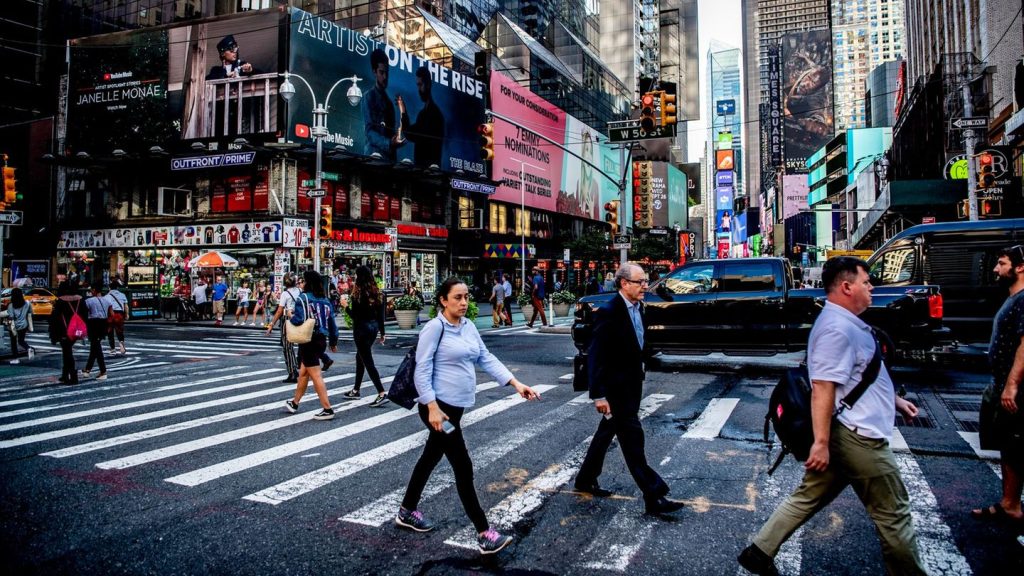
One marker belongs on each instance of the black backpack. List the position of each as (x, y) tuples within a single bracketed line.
[(789, 408), (403, 387)]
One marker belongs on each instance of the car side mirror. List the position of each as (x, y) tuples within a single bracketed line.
[(662, 291)]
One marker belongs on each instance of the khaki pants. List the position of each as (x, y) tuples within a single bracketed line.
[(869, 466), (496, 313)]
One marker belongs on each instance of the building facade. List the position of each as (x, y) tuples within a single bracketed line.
[(865, 34)]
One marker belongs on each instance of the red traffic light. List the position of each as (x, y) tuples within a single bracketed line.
[(985, 159), (647, 100)]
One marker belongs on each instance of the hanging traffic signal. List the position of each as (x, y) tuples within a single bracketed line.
[(986, 171), (486, 131), (611, 215), (668, 109), (326, 230), (10, 186), (647, 122)]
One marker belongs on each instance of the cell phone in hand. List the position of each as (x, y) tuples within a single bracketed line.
[(447, 427)]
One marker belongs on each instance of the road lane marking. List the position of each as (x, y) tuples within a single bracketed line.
[(319, 478), (935, 542), (219, 470), (139, 403), (219, 402), (990, 457), (514, 508), (382, 510), (225, 437), (712, 419)]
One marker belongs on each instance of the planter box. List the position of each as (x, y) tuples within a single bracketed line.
[(527, 312), (562, 309), (406, 318)]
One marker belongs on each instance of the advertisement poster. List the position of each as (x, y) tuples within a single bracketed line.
[(297, 233), (693, 184), (678, 213), (723, 198), (141, 275), (226, 234), (659, 195), (139, 88), (806, 95), (773, 109), (35, 273), (584, 190), (524, 162), (723, 221), (794, 194), (724, 160), (389, 104)]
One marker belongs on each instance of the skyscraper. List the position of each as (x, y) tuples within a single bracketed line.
[(724, 85), (865, 33)]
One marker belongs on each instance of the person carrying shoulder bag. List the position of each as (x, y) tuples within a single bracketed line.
[(20, 315)]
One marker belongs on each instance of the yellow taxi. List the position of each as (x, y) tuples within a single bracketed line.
[(41, 299)]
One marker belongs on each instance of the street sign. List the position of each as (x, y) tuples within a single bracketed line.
[(621, 241), (308, 183), (968, 123), (630, 131), (332, 176), (725, 107), (316, 193), (12, 217)]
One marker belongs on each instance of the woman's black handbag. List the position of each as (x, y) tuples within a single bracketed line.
[(403, 386)]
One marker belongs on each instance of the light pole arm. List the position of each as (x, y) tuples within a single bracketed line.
[(289, 75)]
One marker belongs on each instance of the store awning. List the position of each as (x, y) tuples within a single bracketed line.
[(906, 199)]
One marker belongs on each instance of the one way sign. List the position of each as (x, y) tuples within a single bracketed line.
[(11, 217), (968, 123)]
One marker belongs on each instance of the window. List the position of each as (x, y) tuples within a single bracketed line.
[(895, 266), (747, 277), (690, 280), (497, 223)]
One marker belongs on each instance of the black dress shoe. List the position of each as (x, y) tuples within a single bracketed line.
[(755, 561), (327, 363), (593, 489), (291, 380), (663, 506)]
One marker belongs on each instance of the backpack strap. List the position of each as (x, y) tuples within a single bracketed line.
[(871, 372)]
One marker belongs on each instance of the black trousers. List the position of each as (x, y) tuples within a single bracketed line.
[(68, 372), (97, 330), (453, 447), (364, 338), (627, 428)]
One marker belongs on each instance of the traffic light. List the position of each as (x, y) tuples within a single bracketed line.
[(989, 208), (326, 231), (668, 109), (796, 248), (486, 131), (986, 171), (642, 216), (10, 186), (647, 122), (611, 214)]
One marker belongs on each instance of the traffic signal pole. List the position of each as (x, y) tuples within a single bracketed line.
[(970, 141)]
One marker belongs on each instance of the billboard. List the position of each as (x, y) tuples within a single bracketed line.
[(136, 89), (386, 103), (723, 198), (678, 212), (806, 95), (725, 178), (794, 194), (773, 108), (584, 191), (693, 184), (724, 160), (524, 163)]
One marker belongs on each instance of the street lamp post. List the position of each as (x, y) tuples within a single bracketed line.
[(319, 131), (522, 215)]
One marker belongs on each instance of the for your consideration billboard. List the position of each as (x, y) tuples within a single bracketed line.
[(389, 104)]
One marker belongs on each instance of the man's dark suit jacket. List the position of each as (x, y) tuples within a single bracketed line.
[(614, 360)]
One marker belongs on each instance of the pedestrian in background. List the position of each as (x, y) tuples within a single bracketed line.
[(199, 297), (851, 446), (497, 301), (615, 367), (366, 307), (447, 355), (1003, 421), (285, 307), (609, 283), (243, 295), (19, 313), (98, 310), (508, 298), (220, 296), (313, 303), (537, 296), (262, 298), (69, 303), (118, 306)]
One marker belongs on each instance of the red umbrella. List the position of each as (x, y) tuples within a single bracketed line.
[(213, 259)]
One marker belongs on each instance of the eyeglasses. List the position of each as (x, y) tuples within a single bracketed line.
[(640, 282)]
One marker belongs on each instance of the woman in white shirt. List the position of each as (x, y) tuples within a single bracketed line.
[(242, 294), (448, 352)]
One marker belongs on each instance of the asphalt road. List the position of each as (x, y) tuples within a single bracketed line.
[(185, 462)]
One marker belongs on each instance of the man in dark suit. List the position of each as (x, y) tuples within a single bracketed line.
[(615, 365)]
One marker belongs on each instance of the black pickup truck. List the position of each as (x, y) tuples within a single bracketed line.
[(750, 306)]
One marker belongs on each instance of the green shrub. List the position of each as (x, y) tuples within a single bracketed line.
[(524, 299), (408, 303), (563, 297)]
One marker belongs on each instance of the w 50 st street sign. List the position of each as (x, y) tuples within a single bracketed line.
[(12, 217)]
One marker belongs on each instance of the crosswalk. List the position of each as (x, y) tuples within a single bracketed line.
[(160, 351), (225, 429)]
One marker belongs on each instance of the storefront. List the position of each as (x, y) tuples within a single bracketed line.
[(421, 255), (358, 244)]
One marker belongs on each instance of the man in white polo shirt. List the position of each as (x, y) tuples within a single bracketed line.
[(851, 449)]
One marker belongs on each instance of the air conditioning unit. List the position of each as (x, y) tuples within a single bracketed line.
[(174, 201)]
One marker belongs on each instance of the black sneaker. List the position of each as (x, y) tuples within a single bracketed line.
[(413, 520), (755, 561), (290, 380), (325, 414), (351, 395), (291, 406), (491, 542), (379, 401), (327, 363)]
